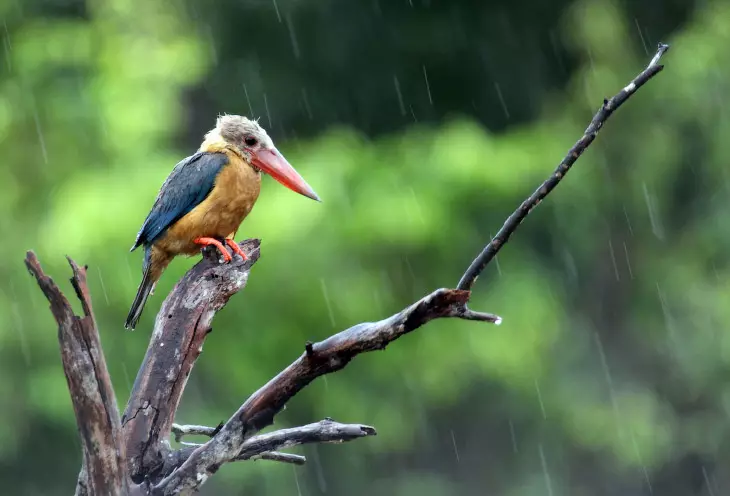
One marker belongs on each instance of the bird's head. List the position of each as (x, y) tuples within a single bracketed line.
[(252, 142)]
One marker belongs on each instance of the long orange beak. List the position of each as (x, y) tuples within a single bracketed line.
[(274, 164)]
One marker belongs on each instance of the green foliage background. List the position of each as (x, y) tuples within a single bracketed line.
[(610, 373)]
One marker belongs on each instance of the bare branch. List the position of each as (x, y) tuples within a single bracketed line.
[(336, 352), (97, 416), (277, 456), (193, 430), (514, 220), (180, 329), (318, 359), (324, 431), (264, 446)]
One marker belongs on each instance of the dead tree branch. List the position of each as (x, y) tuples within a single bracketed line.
[(336, 352), (607, 109), (193, 430), (180, 329), (97, 415), (264, 446)]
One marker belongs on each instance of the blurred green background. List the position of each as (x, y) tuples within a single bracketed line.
[(422, 124)]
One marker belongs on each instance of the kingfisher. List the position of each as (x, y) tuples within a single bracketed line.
[(207, 196)]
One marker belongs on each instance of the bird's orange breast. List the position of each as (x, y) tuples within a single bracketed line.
[(234, 193)]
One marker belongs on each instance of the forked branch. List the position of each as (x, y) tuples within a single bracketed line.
[(97, 415)]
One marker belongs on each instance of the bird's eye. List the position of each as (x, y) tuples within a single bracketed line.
[(250, 141)]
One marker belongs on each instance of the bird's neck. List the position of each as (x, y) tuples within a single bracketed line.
[(214, 143)]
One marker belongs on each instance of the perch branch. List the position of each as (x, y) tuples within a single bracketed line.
[(177, 341), (335, 352), (514, 220), (97, 416)]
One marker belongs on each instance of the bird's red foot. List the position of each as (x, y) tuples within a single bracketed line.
[(212, 241), (237, 249)]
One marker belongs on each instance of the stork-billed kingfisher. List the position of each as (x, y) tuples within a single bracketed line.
[(206, 197)]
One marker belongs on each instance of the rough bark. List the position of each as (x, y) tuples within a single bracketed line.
[(177, 340), (95, 406)]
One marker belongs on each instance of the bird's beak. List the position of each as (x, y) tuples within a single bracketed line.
[(274, 164)]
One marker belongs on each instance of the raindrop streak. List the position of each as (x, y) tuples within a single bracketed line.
[(400, 95), (707, 482), (419, 213), (276, 8), (668, 319), (21, 333), (415, 119), (210, 38), (556, 51), (501, 99), (318, 466), (127, 380), (628, 262), (613, 259), (103, 288), (548, 483), (268, 114), (609, 381), (656, 226), (306, 104), (39, 130), (539, 397), (641, 461), (8, 47), (296, 480), (293, 37), (456, 450), (513, 436), (428, 86), (327, 301), (628, 222), (641, 35), (248, 100)]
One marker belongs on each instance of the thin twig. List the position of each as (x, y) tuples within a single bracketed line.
[(277, 456), (193, 430), (514, 220), (324, 431), (264, 446)]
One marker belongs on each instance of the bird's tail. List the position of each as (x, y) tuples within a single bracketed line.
[(143, 292)]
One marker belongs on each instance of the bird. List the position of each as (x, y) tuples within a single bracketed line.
[(207, 196)]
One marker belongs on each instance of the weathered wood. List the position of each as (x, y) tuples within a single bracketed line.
[(95, 406), (318, 359), (177, 340)]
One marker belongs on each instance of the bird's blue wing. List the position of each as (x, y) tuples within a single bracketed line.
[(188, 184)]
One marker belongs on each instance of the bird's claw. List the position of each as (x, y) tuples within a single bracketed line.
[(236, 249), (214, 242)]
